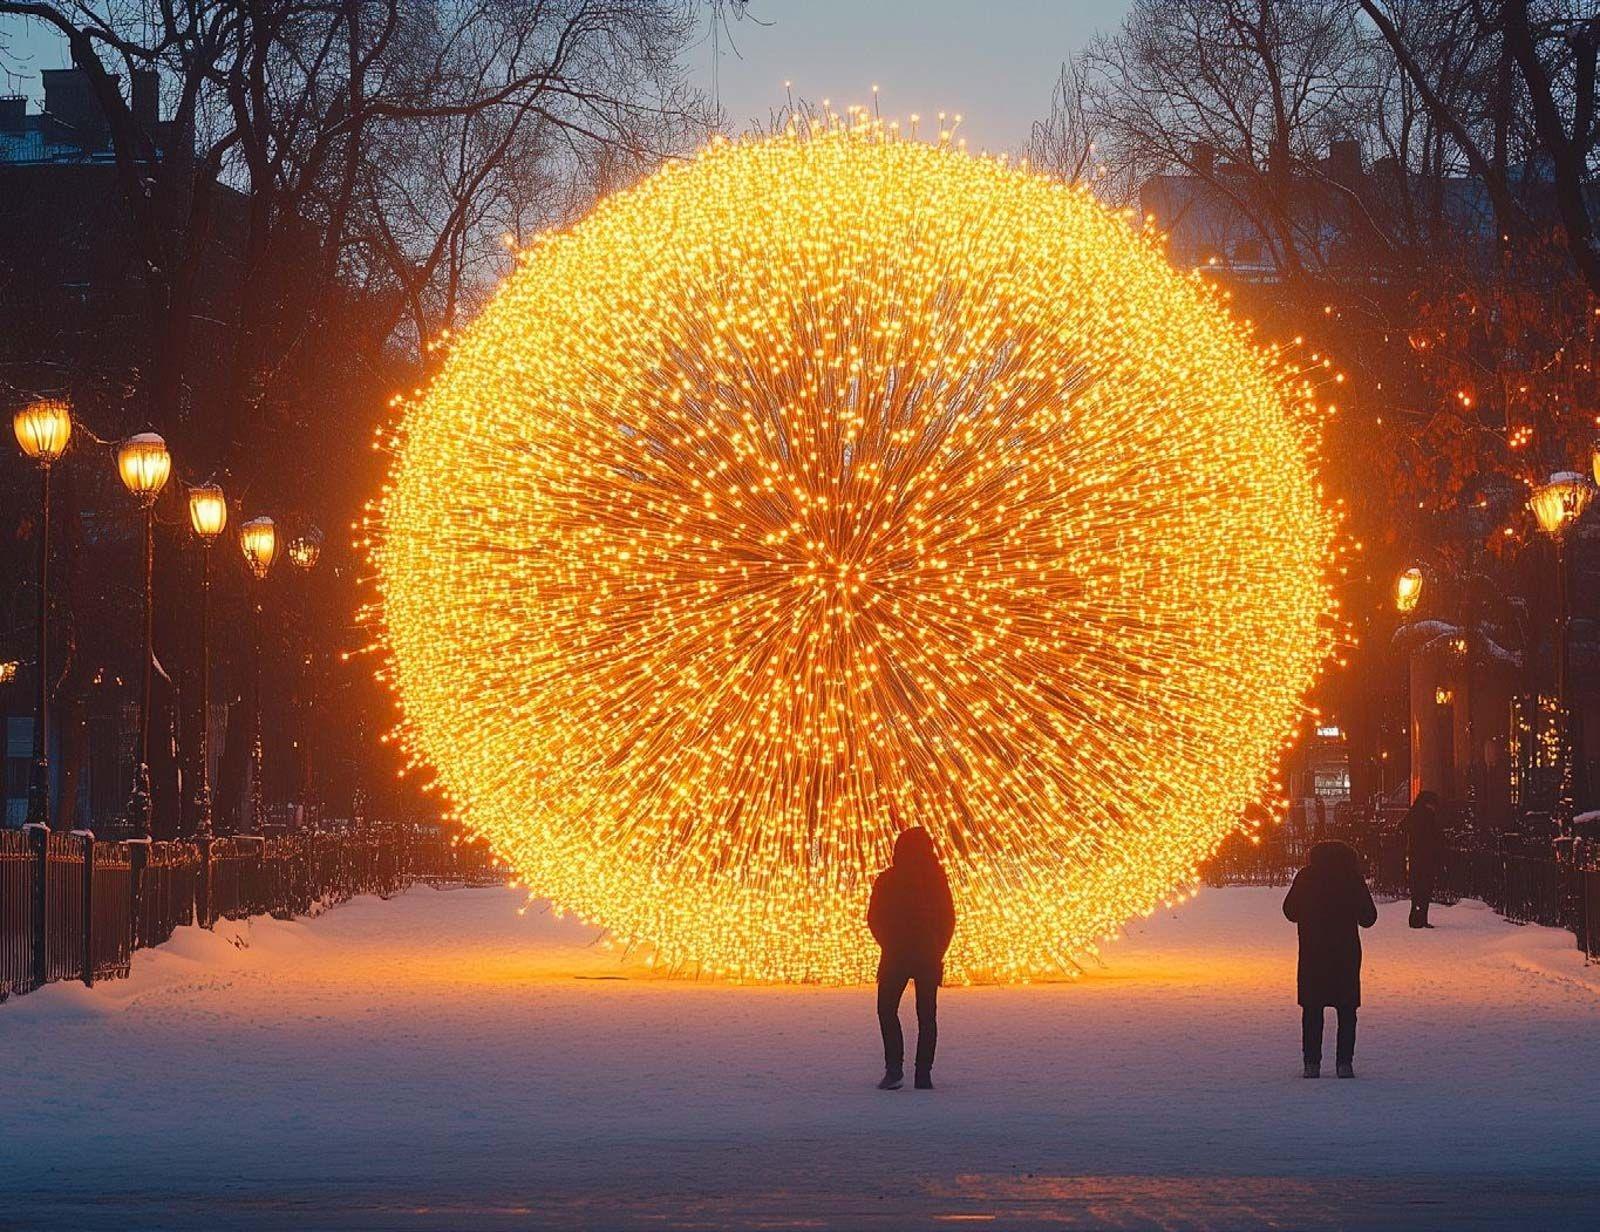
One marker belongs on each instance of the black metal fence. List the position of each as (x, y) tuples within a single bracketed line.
[(75, 907), (1525, 880)]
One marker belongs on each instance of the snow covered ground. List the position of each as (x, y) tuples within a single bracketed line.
[(438, 1062)]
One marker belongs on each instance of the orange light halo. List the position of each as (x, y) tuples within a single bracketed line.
[(832, 474)]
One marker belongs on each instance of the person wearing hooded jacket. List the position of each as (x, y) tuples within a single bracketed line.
[(913, 917), (1329, 903), (1423, 830)]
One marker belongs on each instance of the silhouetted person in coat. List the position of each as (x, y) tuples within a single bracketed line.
[(1424, 834), (913, 917), (1330, 903)]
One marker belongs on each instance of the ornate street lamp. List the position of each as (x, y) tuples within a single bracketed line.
[(1560, 501), (304, 551), (1408, 590), (258, 540), (208, 514), (43, 429), (305, 548), (1557, 504), (1407, 595), (144, 464)]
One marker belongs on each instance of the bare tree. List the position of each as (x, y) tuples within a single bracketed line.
[(450, 181), (358, 147), (1449, 266), (1243, 94), (1535, 73), (1064, 143), (332, 190)]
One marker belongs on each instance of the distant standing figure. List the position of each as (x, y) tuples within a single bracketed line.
[(1424, 835), (1322, 820), (1330, 903), (913, 918)]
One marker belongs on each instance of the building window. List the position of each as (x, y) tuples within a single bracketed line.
[(1331, 783)]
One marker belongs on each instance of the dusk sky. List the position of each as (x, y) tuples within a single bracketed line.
[(995, 63)]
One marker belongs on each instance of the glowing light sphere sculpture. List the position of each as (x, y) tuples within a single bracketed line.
[(831, 483)]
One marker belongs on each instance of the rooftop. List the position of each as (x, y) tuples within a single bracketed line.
[(73, 127)]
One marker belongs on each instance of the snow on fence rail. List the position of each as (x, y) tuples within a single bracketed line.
[(76, 907), (1525, 880)]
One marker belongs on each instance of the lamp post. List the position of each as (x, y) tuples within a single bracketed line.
[(1408, 594), (258, 539), (1557, 504), (208, 514), (304, 551), (43, 429), (144, 465)]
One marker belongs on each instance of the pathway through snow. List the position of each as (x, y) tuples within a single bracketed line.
[(437, 1061)]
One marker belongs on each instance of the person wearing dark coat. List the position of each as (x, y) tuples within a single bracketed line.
[(1330, 903), (913, 918), (1424, 835)]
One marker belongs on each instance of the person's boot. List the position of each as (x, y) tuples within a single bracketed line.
[(1346, 1069), (1313, 1069), (924, 1081), (892, 1081)]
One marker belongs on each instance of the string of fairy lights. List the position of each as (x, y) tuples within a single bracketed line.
[(832, 482)]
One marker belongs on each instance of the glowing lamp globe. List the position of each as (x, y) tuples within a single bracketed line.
[(208, 511), (1408, 590), (43, 429), (258, 540), (305, 549), (1560, 501), (1594, 460), (144, 465), (822, 485)]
